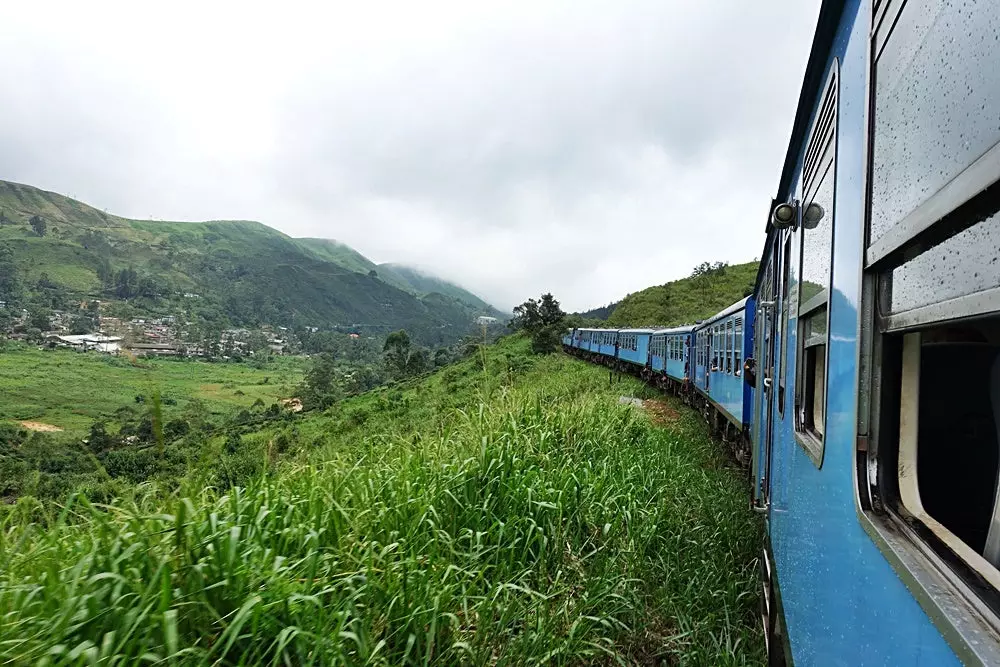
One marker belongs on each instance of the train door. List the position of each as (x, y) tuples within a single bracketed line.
[(765, 325)]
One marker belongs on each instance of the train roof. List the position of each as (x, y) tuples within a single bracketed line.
[(738, 306), (812, 82), (642, 331), (687, 328)]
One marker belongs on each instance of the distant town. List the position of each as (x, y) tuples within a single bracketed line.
[(166, 336)]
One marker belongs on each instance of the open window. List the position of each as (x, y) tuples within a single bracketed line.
[(929, 411)]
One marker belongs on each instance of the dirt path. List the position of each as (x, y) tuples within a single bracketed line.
[(660, 411), (40, 426)]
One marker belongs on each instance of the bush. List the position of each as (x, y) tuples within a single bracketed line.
[(547, 339), (135, 465)]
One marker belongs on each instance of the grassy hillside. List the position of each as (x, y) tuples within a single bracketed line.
[(56, 387), (242, 271), (506, 510), (686, 300)]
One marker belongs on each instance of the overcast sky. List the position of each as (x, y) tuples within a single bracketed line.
[(508, 146)]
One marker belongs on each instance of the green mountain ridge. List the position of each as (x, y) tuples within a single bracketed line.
[(682, 301), (239, 271)]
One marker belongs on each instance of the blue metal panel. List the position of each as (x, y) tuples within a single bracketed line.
[(675, 367), (608, 348), (843, 603), (641, 353), (749, 320)]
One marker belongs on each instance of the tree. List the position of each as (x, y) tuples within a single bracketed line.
[(10, 285), (441, 357), (526, 317), (373, 274), (318, 389), (80, 325), (105, 273), (401, 361), (549, 310), (546, 339), (125, 283), (38, 224), (544, 320), (41, 320)]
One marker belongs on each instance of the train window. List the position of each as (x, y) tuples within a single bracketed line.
[(738, 348), (814, 285), (923, 164), (729, 346), (715, 348), (786, 263), (931, 393)]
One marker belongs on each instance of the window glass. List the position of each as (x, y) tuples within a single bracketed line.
[(738, 348), (817, 240), (966, 263), (936, 92)]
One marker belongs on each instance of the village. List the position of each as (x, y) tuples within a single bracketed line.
[(166, 336)]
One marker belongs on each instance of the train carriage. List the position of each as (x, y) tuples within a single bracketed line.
[(722, 345), (607, 342), (633, 346), (875, 439), (669, 352)]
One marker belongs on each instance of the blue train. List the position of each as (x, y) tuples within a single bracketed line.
[(861, 380)]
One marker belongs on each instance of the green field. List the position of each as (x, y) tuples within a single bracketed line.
[(505, 510), (70, 390)]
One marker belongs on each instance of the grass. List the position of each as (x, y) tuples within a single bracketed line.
[(505, 511), (70, 389)]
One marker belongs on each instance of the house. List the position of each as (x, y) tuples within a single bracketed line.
[(87, 342), (156, 349)]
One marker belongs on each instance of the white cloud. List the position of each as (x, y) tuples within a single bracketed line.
[(507, 146)]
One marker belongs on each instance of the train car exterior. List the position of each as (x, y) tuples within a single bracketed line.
[(722, 345), (633, 346), (877, 350), (677, 343), (607, 342), (567, 338)]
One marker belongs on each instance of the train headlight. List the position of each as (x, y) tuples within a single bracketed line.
[(783, 216)]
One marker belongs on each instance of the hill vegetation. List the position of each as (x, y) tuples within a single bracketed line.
[(708, 290), (57, 252), (507, 509)]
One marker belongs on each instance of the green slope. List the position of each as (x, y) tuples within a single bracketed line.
[(505, 510), (686, 300), (242, 271), (419, 282)]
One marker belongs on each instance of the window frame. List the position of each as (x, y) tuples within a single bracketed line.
[(819, 164), (738, 346)]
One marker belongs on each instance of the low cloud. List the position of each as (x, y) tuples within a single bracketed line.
[(587, 148)]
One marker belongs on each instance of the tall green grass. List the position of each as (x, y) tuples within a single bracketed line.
[(540, 523)]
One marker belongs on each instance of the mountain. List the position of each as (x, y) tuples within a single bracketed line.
[(602, 313), (420, 282), (683, 301), (241, 272)]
